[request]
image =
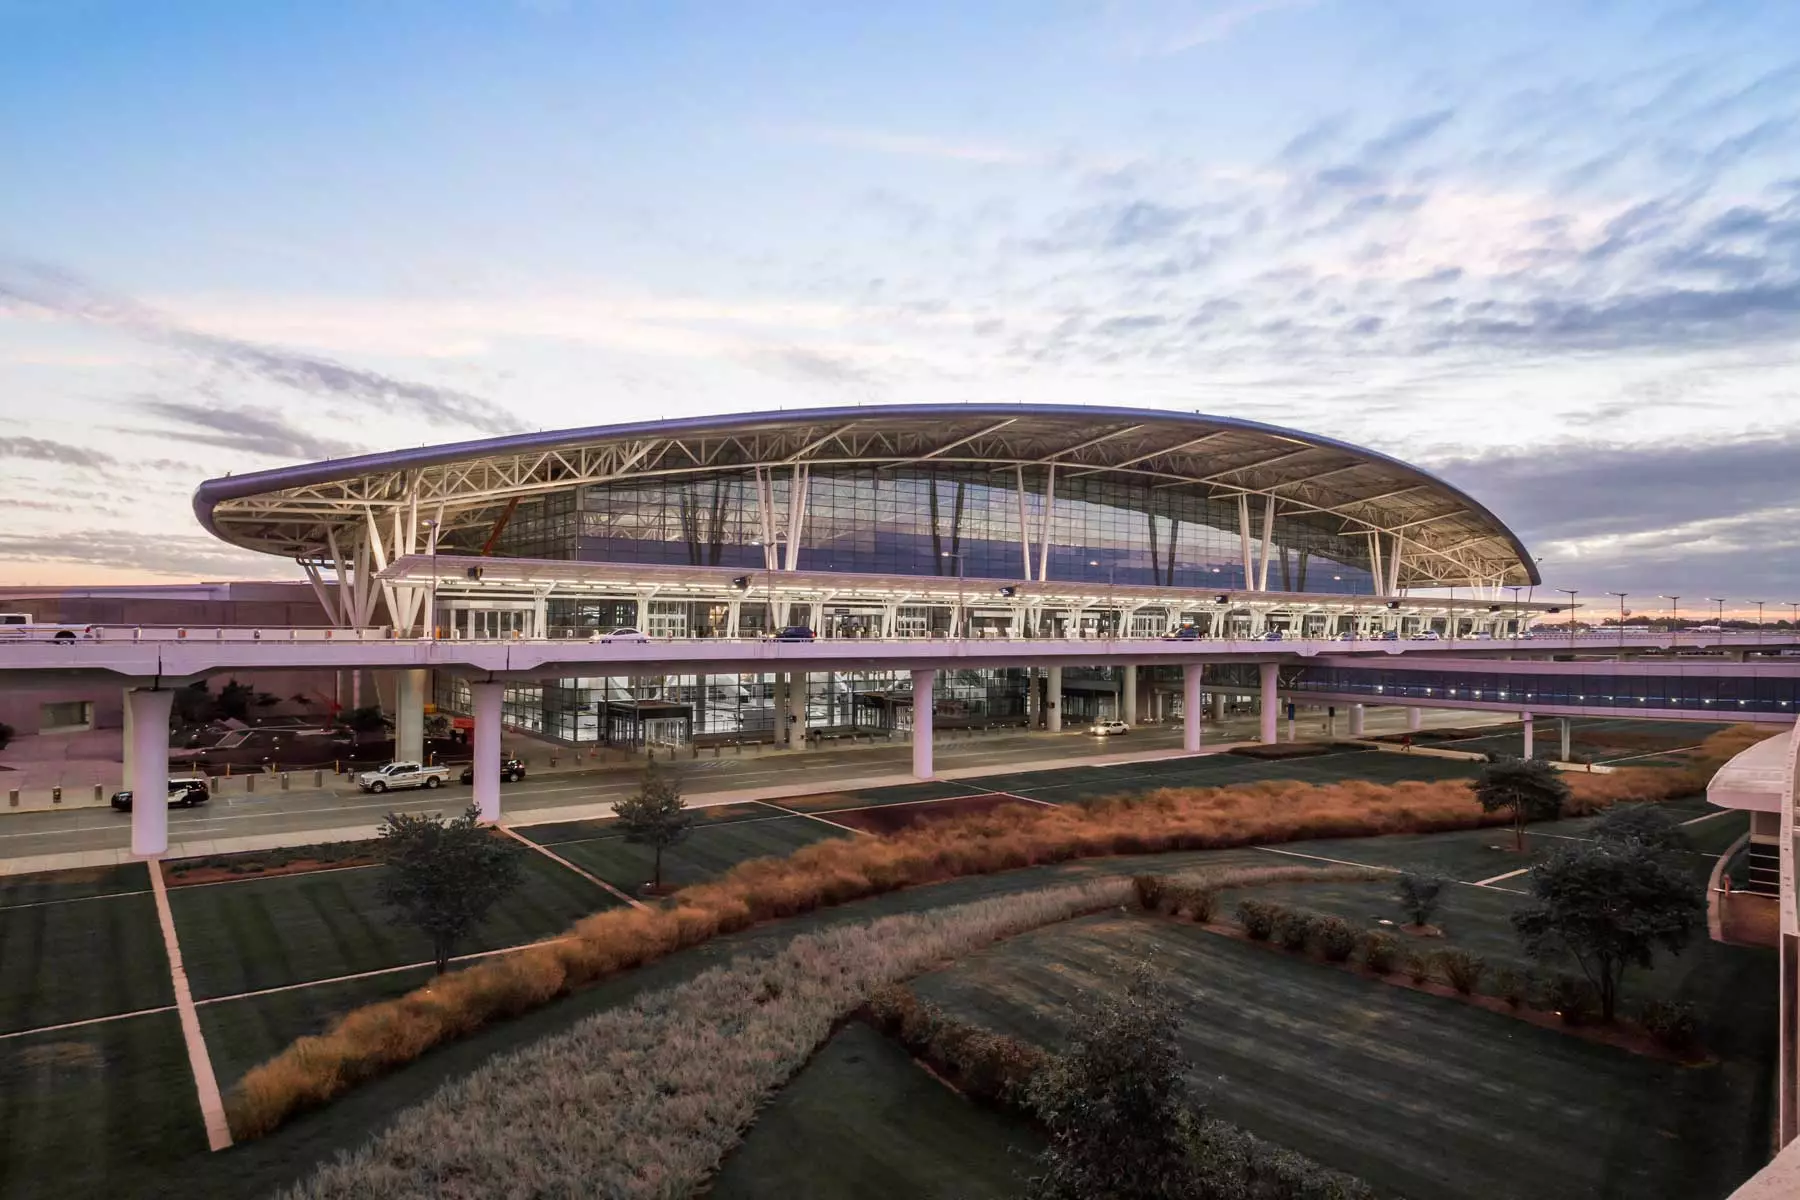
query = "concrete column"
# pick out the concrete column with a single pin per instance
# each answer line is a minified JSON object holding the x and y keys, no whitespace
{"x":1053,"y":701}
{"x":125,"y":757}
{"x":1271,"y":703}
{"x":1529,"y":745}
{"x":1218,"y":706}
{"x":1567,"y":738}
{"x":1192,"y":707}
{"x":1415,"y":718}
{"x":484,"y":699}
{"x":1356,"y":720}
{"x":1128,"y":691}
{"x":923,"y":695}
{"x":148,"y":713}
{"x":778,"y":708}
{"x":1032,"y":700}
{"x":797,"y":708}
{"x":409,"y":715}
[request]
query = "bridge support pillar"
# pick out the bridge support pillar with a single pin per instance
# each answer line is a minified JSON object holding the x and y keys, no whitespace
{"x":147,"y":715}
{"x":778,"y":708}
{"x":409,"y":715}
{"x":1193,"y":707}
{"x":1271,"y":704}
{"x":1567,"y":738}
{"x":1415,"y":718}
{"x":1053,"y":700}
{"x":484,"y":700}
{"x":1356,"y":720}
{"x":1530,"y":747}
{"x":797,"y":709}
{"x":1128,"y":698}
{"x":1218,"y":707}
{"x":923,"y":683}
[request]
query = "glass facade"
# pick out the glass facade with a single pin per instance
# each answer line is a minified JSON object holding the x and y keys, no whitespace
{"x":944,"y":521}
{"x":1599,"y":688}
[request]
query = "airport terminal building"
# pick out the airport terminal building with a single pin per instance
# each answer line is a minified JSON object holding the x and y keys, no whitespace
{"x":927,"y":521}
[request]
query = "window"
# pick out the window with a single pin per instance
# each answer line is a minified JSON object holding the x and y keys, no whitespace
{"x":66,"y":716}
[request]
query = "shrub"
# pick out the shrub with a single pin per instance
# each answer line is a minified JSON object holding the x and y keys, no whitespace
{"x":1461,"y":970}
{"x":1294,"y":929}
{"x":1380,"y":951}
{"x":1233,"y":1164}
{"x":1418,"y":895}
{"x":1673,"y":1023}
{"x":1572,"y":997}
{"x":1512,"y":986}
{"x":1257,"y":918}
{"x":1150,"y":890}
{"x":1337,"y":939}
{"x":1417,"y":967}
{"x":1192,"y":900}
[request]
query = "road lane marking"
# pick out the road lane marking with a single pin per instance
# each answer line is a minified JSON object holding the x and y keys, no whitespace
{"x":1491,"y":881}
{"x":563,"y":862}
{"x":814,"y":817}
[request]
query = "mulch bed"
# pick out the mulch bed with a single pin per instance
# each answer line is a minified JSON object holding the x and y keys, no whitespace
{"x":191,"y":871}
{"x":1288,"y":750}
{"x":892,"y":818}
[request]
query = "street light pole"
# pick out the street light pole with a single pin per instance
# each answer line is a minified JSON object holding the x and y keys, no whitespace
{"x":431,"y":597}
{"x":1759,"y":608}
{"x":1674,"y":620}
{"x":1570,"y":593}
{"x":1720,"y":619}
{"x":1621,"y":596}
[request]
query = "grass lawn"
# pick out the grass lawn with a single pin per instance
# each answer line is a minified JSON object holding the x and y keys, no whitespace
{"x":96,"y":1110}
{"x":243,"y":1032}
{"x":67,"y":960}
{"x":876,"y":1126}
{"x":900,"y":793}
{"x":709,"y":850}
{"x":1418,"y":1095}
{"x":72,"y":885}
{"x":555,"y":833}
{"x":264,"y":933}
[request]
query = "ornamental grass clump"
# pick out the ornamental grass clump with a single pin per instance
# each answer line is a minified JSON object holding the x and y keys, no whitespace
{"x":644,"y":1100}
{"x":1461,"y":970}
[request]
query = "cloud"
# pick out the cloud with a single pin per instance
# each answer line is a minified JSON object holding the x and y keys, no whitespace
{"x":1217,"y":25}
{"x":38,"y":288}
{"x":248,"y":430}
{"x":31,"y":449}
{"x":182,"y":555}
{"x":812,"y":366}
{"x":1404,"y":135}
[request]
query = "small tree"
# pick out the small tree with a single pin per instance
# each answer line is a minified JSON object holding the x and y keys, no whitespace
{"x":444,"y":875}
{"x":1419,"y":896}
{"x":194,"y":705}
{"x":1645,"y":823}
{"x":1529,"y":788}
{"x":1115,"y":1103}
{"x":367,"y":719}
{"x":1610,"y":906}
{"x":234,"y":700}
{"x":655,"y":816}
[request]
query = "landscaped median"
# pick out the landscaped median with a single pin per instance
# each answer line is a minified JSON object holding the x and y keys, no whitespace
{"x":380,"y":1037}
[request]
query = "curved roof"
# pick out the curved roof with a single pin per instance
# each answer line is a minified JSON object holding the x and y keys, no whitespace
{"x":315,"y":511}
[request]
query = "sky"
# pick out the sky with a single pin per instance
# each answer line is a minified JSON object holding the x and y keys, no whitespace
{"x":1548,"y":250}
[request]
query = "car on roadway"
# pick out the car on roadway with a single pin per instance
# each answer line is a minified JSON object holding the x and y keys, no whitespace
{"x":1426,"y":635}
{"x":624,"y":634}
{"x":1184,"y":633}
{"x":1108,"y":728}
{"x":1268,"y":635}
{"x":17,"y":626}
{"x":795,"y":633}
{"x":511,"y":771}
{"x":396,"y":776}
{"x":183,"y":793}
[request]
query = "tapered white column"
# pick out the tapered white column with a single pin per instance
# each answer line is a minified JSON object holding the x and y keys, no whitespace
{"x":148,"y":716}
{"x":1128,"y":696}
{"x":923,"y":695}
{"x":409,"y":715}
{"x":1193,"y":708}
{"x":1415,"y":719}
{"x":1053,"y":700}
{"x":1270,"y":702}
{"x":1356,"y":720}
{"x":1530,"y":744}
{"x":485,"y":700}
{"x":1567,"y":739}
{"x":797,"y":709}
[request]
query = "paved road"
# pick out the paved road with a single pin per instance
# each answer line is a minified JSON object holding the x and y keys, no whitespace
{"x":295,"y":812}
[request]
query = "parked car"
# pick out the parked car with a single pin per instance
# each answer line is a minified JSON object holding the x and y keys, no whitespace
{"x":511,"y":771}
{"x":794,"y":633}
{"x":1108,"y":728}
{"x":625,"y":634}
{"x":1387,"y":635}
{"x":396,"y":775}
{"x":183,"y":793}
{"x":1185,"y":633}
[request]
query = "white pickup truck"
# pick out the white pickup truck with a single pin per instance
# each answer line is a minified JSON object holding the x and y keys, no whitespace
{"x":21,"y":626}
{"x":402,"y":775}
